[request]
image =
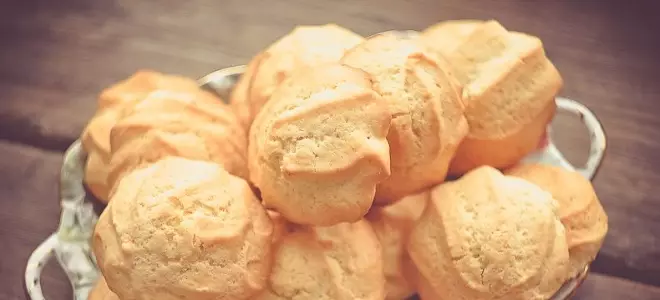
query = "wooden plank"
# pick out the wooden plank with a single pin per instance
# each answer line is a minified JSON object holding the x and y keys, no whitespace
{"x":57,"y":56}
{"x":602,"y":287}
{"x":62,"y":54}
{"x":29,"y":213}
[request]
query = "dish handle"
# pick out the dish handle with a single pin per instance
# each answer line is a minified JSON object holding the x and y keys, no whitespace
{"x":549,"y":154}
{"x":70,"y":245}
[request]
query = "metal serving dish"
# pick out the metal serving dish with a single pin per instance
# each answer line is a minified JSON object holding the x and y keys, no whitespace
{"x":70,"y":244}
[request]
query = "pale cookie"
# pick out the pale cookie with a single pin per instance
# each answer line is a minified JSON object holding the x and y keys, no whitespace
{"x":95,"y":138}
{"x":183,"y":229}
{"x":392,"y":225}
{"x":317,"y":150}
{"x":340,"y":262}
{"x":192,"y":124}
{"x":509,"y":88}
{"x":489,"y":236}
{"x":579,"y":209}
{"x":303,"y":47}
{"x":427,"y":112}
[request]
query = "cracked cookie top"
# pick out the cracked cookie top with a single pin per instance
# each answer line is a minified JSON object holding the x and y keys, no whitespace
{"x":305,"y":46}
{"x":317,"y":149}
{"x":339,"y":262}
{"x":490,"y":236}
{"x":192,"y":124}
{"x":184,"y":229}
{"x":427,"y":113}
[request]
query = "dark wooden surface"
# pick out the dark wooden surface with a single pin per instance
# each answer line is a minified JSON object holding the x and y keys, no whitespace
{"x":55,"y":56}
{"x":28,"y":214}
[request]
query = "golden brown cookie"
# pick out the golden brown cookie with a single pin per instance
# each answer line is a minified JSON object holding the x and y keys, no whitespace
{"x":392,"y":225}
{"x":100,"y":291}
{"x":184,"y":229}
{"x":427,"y":112}
{"x":556,"y":271}
{"x":340,"y":262}
{"x":509,"y":87}
{"x":425,"y":290}
{"x":96,"y":175}
{"x":191,"y":124}
{"x":304,"y":46}
{"x":95,"y":141}
{"x":490,"y":236}
{"x":579,"y":209}
{"x":317,"y":150}
{"x":142,"y":82}
{"x":96,"y":135}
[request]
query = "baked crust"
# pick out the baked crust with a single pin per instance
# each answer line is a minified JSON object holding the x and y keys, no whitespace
{"x":427,"y":112}
{"x":317,"y":150}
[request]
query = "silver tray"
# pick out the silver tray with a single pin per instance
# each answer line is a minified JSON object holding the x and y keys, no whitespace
{"x":70,"y":244}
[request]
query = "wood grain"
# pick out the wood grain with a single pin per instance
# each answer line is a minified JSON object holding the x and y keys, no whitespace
{"x":29,"y":213}
{"x":598,"y":287}
{"x":57,"y":55}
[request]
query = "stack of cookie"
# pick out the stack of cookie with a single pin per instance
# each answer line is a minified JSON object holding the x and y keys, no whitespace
{"x":385,"y":167}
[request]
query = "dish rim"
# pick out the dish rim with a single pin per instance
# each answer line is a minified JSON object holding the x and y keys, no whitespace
{"x":77,"y":211}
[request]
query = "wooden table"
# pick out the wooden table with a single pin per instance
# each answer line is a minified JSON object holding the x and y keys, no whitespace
{"x":56,"y":56}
